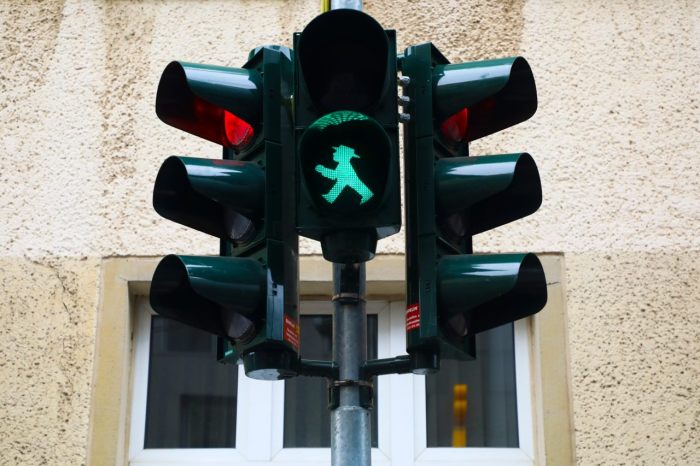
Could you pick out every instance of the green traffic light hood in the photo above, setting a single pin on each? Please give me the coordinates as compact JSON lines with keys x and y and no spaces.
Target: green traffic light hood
{"x":343,"y":56}
{"x":496,"y":93}
{"x":482,"y":291}
{"x":220,"y":295}
{"x":191,"y":96}
{"x":494,"y":189}
{"x":223,"y":198}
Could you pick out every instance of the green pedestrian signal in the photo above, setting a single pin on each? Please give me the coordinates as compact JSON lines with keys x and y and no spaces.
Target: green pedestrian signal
{"x":344,"y":176}
{"x":346,"y":123}
{"x":345,"y":160}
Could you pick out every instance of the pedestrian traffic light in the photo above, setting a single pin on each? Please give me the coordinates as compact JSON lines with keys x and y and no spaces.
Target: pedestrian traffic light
{"x":346,"y":123}
{"x":248,"y":297}
{"x":452,"y":294}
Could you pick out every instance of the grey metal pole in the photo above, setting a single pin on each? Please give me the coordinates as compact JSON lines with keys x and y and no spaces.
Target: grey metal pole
{"x":351,"y":4}
{"x":350,"y":422}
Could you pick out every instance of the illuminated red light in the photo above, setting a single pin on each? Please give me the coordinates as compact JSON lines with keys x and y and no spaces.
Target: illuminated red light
{"x":468,"y":123}
{"x":454,"y":128}
{"x":238,"y":132}
{"x":218,"y":125}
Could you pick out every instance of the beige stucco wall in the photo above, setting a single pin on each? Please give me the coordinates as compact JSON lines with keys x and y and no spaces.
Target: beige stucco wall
{"x":616,"y":137}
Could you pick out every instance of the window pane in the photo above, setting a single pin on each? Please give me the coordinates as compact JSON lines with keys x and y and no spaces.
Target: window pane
{"x":489,"y":382}
{"x":191,"y":397}
{"x":306,"y":415}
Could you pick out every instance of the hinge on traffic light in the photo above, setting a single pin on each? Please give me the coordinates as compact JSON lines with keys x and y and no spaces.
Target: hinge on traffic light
{"x":404,"y":100}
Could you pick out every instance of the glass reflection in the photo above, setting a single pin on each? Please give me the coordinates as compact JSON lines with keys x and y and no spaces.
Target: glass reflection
{"x":191,"y":397}
{"x":473,"y":403}
{"x":306,"y":415}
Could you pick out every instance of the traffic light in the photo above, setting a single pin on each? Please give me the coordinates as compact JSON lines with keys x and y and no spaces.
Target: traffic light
{"x":453,"y":294}
{"x":248,"y":297}
{"x":346,"y":124}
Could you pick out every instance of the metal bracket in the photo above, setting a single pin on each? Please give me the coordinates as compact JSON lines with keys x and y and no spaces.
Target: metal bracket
{"x":348,"y":298}
{"x":315,"y":368}
{"x":419,"y":362}
{"x":351,"y":383}
{"x":366,"y":392}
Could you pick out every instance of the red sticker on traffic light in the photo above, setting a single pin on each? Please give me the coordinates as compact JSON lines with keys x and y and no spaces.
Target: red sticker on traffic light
{"x":412,"y":317}
{"x":291,"y":331}
{"x":227,"y":162}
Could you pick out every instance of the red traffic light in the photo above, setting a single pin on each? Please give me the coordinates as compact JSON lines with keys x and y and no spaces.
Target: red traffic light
{"x":221,"y":105}
{"x":473,"y":100}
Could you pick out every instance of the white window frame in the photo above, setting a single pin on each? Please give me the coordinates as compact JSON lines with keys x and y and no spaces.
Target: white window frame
{"x":125,"y":282}
{"x":406,"y":393}
{"x":322,"y":456}
{"x":402,"y":432}
{"x":523,"y":455}
{"x":161,"y":456}
{"x":260,"y":408}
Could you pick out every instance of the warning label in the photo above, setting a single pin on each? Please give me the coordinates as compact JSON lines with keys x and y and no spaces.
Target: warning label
{"x":412,"y":317}
{"x":291,"y":331}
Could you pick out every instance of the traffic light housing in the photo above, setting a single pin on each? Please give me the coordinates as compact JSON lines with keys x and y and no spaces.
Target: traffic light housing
{"x":453,"y":294}
{"x":346,"y":126}
{"x":248,"y":297}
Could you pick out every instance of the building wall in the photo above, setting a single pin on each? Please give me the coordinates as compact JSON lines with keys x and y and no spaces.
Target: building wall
{"x":615,"y":137}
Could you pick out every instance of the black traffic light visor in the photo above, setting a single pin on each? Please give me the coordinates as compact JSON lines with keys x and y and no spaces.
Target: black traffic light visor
{"x":489,"y":191}
{"x":223,"y":198}
{"x":222,"y":105}
{"x":480,"y":292}
{"x":495,"y":94}
{"x":219,"y":295}
{"x":343,"y":56}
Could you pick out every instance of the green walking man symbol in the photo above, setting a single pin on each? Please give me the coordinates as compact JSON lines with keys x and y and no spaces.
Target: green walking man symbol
{"x":344,"y":175}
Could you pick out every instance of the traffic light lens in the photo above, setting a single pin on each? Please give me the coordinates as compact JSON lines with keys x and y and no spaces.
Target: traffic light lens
{"x":497,"y":93}
{"x":238,"y":132}
{"x":457,"y":129}
{"x":344,"y":158}
{"x":217,"y":125}
{"x":344,"y":176}
{"x":454,"y":129}
{"x":187,"y":99}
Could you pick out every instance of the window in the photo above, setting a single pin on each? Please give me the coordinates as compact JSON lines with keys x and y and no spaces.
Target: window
{"x":487,"y":416}
{"x":185,"y":404}
{"x":244,"y":421}
{"x":188,"y":406}
{"x":191,"y":399}
{"x":421,"y":406}
{"x":306,"y":415}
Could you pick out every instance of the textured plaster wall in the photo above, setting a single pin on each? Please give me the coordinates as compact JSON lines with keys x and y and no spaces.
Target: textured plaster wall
{"x":616,"y":138}
{"x":46,"y":352}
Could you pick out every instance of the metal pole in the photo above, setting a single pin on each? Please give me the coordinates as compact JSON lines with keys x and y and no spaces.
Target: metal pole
{"x":351,"y":4}
{"x":350,"y":422}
